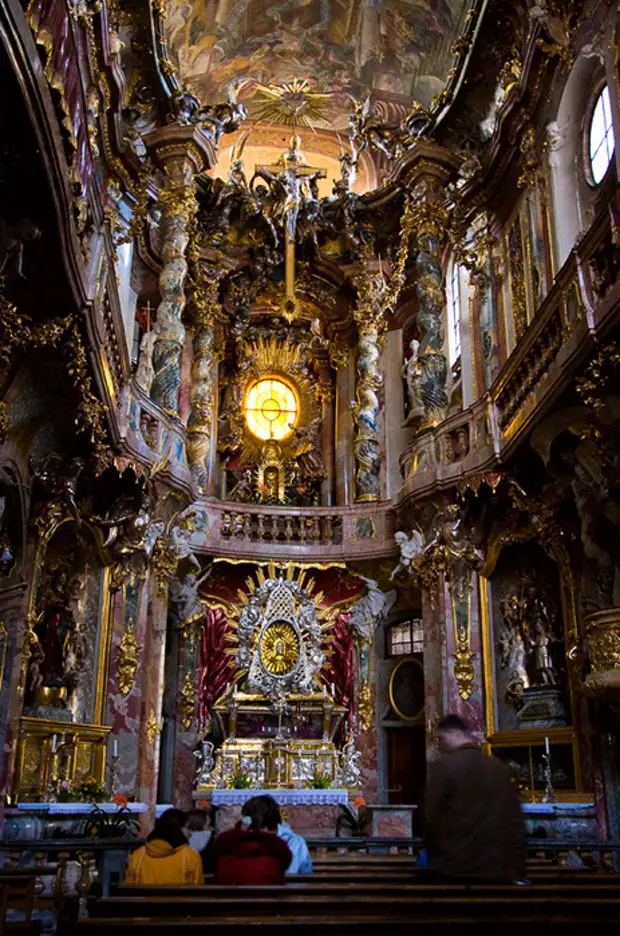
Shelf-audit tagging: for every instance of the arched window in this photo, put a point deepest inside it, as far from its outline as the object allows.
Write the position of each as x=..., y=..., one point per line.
x=601, y=141
x=454, y=313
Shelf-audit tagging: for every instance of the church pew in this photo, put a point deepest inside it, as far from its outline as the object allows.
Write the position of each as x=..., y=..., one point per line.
x=424, y=905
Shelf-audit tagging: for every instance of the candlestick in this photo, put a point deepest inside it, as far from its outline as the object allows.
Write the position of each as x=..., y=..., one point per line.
x=547, y=745
x=53, y=744
x=549, y=796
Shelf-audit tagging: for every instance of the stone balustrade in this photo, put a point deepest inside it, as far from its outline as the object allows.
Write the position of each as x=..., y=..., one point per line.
x=255, y=531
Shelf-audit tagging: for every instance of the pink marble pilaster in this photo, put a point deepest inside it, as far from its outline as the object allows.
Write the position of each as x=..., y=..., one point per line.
x=344, y=436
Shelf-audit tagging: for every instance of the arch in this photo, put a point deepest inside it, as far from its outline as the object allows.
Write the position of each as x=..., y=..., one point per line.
x=571, y=194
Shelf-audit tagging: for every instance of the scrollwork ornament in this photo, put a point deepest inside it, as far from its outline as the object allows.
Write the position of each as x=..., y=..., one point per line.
x=187, y=703
x=164, y=562
x=127, y=661
x=153, y=727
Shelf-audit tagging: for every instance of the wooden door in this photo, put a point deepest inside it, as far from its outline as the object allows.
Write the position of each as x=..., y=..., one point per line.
x=406, y=765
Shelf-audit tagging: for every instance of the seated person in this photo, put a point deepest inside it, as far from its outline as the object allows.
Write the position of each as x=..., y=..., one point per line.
x=201, y=838
x=302, y=862
x=253, y=853
x=167, y=857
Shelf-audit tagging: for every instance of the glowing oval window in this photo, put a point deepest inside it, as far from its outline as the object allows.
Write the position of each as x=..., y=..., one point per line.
x=601, y=137
x=271, y=409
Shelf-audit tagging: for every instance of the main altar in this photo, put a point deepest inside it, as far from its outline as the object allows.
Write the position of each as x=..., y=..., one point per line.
x=279, y=723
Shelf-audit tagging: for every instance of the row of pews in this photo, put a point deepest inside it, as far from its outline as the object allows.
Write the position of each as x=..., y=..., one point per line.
x=365, y=894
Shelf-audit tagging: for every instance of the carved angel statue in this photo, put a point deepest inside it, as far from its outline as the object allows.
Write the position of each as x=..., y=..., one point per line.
x=185, y=601
x=205, y=761
x=145, y=373
x=309, y=448
x=412, y=372
x=13, y=237
x=179, y=531
x=132, y=526
x=60, y=479
x=365, y=133
x=349, y=773
x=370, y=610
x=225, y=117
x=411, y=547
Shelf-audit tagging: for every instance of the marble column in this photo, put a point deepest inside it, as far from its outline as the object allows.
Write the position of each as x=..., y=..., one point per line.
x=182, y=152
x=344, y=430
x=326, y=395
x=152, y=694
x=200, y=420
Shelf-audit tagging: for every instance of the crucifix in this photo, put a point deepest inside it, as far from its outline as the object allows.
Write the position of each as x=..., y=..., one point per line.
x=294, y=183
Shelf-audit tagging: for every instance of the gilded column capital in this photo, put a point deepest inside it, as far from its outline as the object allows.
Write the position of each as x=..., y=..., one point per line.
x=182, y=148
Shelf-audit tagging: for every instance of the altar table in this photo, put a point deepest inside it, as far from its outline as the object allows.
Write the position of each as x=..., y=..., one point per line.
x=282, y=797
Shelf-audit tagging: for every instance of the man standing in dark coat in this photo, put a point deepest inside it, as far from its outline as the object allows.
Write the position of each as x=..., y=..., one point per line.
x=475, y=829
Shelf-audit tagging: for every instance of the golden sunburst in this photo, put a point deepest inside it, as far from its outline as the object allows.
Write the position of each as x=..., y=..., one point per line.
x=292, y=103
x=280, y=648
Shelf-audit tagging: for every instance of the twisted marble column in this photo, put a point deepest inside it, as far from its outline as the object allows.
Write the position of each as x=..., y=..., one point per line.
x=366, y=409
x=199, y=425
x=182, y=152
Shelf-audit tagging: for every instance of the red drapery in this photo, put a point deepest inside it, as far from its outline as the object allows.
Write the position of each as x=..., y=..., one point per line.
x=216, y=665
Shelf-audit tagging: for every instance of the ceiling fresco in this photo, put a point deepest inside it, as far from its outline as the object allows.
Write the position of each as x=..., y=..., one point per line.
x=394, y=49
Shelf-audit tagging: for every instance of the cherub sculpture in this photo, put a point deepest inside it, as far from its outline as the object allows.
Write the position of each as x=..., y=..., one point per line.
x=225, y=117
x=411, y=547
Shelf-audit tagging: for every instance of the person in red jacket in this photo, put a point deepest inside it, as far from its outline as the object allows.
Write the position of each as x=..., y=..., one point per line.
x=253, y=853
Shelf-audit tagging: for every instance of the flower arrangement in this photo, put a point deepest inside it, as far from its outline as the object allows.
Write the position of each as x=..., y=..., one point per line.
x=319, y=780
x=120, y=800
x=64, y=794
x=91, y=789
x=240, y=780
x=354, y=816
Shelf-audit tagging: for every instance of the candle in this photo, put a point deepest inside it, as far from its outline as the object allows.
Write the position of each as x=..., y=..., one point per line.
x=227, y=688
x=324, y=691
x=547, y=745
x=53, y=744
x=115, y=748
x=333, y=690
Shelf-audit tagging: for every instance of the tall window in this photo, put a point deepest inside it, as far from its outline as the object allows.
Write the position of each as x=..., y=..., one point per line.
x=454, y=313
x=601, y=142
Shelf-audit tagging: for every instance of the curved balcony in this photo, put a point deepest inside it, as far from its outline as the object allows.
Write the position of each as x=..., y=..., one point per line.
x=259, y=532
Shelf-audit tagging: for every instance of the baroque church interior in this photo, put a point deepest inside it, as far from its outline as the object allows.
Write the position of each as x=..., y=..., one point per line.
x=309, y=432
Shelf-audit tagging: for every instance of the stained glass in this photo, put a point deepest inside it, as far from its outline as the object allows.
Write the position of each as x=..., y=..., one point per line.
x=271, y=409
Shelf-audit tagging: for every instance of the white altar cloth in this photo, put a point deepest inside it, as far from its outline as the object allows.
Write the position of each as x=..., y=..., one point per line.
x=282, y=797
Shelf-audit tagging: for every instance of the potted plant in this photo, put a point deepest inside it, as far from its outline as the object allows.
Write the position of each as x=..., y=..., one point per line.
x=354, y=817
x=120, y=824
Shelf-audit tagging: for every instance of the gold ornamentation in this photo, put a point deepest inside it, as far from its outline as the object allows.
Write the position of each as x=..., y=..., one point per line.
x=463, y=666
x=187, y=703
x=164, y=562
x=18, y=332
x=603, y=633
x=531, y=175
x=510, y=74
x=153, y=727
x=364, y=708
x=127, y=661
x=279, y=648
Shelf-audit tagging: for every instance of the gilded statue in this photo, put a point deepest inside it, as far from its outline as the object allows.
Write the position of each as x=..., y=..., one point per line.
x=512, y=646
x=309, y=449
x=205, y=762
x=56, y=648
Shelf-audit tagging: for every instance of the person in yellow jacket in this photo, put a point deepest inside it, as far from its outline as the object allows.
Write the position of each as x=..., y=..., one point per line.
x=167, y=857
